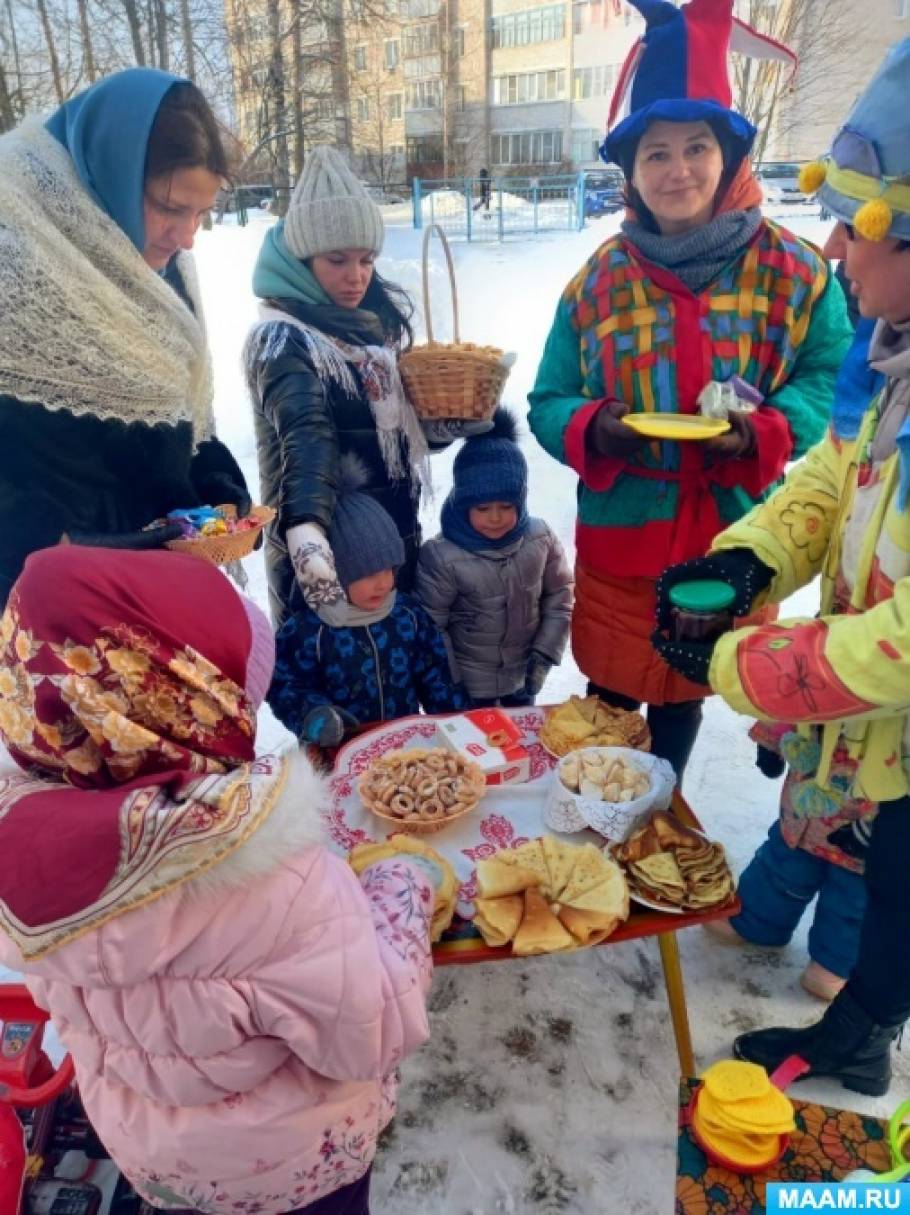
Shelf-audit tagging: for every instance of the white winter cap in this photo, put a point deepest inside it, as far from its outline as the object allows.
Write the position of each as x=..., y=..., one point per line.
x=330, y=209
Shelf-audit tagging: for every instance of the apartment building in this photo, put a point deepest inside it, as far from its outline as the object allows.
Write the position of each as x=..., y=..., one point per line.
x=441, y=88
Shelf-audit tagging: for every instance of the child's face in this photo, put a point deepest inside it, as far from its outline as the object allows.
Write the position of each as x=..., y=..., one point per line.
x=493, y=519
x=879, y=273
x=368, y=594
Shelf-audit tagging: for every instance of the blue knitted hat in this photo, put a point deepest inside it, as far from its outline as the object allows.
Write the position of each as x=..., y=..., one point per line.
x=362, y=534
x=491, y=468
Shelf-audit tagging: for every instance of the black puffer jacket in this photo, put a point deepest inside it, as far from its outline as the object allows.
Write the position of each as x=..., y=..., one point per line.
x=62, y=473
x=304, y=425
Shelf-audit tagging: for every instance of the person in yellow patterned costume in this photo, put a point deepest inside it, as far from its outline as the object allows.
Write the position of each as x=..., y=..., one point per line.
x=842, y=677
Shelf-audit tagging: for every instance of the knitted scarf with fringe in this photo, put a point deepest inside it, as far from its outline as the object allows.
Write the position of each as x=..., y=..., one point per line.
x=86, y=325
x=402, y=443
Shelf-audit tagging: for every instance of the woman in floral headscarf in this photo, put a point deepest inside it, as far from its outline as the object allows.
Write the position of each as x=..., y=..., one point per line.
x=169, y=868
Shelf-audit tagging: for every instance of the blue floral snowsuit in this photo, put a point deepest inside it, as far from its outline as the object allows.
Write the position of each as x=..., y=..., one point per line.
x=377, y=672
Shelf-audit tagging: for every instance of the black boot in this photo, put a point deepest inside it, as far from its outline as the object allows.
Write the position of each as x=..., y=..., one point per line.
x=846, y=1044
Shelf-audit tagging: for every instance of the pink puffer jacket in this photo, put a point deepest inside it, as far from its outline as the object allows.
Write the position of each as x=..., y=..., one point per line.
x=235, y=1041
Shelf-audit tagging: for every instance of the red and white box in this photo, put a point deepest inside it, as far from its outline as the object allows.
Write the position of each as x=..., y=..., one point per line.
x=492, y=739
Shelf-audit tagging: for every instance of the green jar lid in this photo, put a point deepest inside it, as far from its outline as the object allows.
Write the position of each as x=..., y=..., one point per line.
x=707, y=595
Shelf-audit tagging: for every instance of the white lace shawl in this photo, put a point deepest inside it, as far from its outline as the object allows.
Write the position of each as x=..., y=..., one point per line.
x=85, y=324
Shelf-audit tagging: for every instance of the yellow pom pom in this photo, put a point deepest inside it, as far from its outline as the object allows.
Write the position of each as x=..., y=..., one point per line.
x=812, y=176
x=873, y=219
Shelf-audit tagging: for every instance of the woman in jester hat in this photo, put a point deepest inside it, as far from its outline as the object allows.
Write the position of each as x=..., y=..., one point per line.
x=697, y=287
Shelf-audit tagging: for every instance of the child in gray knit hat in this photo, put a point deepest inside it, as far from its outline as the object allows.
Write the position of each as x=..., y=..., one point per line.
x=385, y=659
x=496, y=580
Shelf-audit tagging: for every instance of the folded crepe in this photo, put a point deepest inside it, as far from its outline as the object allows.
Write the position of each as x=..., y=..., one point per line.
x=540, y=930
x=499, y=875
x=364, y=855
x=560, y=860
x=498, y=919
x=589, y=869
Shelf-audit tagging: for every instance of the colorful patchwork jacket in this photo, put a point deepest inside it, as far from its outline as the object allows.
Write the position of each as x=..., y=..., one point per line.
x=631, y=331
x=848, y=670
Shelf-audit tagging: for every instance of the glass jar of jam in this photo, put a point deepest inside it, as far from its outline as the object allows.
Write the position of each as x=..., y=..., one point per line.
x=702, y=610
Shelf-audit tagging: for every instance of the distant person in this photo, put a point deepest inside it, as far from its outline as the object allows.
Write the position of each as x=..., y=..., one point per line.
x=497, y=581
x=697, y=287
x=483, y=179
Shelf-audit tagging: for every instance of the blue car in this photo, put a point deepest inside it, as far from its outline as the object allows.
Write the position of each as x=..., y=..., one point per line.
x=603, y=192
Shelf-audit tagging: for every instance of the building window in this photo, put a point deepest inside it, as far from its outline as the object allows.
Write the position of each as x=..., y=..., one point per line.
x=396, y=149
x=424, y=149
x=593, y=81
x=530, y=26
x=421, y=40
x=424, y=95
x=362, y=110
x=393, y=106
x=425, y=65
x=526, y=87
x=360, y=58
x=461, y=96
x=419, y=8
x=391, y=51
x=356, y=9
x=595, y=14
x=527, y=148
x=585, y=146
x=326, y=107
x=458, y=41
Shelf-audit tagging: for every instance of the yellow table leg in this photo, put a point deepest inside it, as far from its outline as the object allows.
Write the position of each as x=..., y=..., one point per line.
x=676, y=998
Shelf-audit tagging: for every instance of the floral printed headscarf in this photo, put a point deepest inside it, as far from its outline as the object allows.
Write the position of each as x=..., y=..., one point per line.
x=121, y=695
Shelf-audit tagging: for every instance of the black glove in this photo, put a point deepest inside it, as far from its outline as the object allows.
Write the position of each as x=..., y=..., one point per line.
x=326, y=726
x=739, y=567
x=689, y=658
x=441, y=431
x=217, y=478
x=152, y=537
x=608, y=436
x=853, y=838
x=737, y=443
x=769, y=763
x=536, y=672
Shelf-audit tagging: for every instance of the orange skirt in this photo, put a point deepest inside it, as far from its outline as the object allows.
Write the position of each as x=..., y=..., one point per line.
x=612, y=625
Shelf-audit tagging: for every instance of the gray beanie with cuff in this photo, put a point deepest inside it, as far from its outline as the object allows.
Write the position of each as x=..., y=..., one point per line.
x=330, y=209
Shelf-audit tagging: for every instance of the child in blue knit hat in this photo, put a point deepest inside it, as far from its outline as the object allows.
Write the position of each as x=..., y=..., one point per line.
x=386, y=660
x=497, y=581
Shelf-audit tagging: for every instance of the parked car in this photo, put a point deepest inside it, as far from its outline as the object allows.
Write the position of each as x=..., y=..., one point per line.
x=603, y=192
x=780, y=181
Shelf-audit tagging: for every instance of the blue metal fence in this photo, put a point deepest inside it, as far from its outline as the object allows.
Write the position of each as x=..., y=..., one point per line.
x=496, y=208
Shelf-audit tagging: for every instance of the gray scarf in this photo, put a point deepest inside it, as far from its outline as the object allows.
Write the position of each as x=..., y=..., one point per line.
x=358, y=618
x=697, y=257
x=889, y=353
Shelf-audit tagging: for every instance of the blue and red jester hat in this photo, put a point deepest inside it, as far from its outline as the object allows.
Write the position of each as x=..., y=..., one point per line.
x=678, y=72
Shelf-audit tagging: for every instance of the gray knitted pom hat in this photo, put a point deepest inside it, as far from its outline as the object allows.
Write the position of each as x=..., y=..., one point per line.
x=330, y=209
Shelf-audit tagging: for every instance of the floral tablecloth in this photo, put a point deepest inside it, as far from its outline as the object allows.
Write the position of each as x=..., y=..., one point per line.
x=827, y=1145
x=507, y=816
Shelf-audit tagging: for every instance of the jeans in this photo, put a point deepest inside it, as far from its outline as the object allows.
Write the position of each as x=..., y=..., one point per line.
x=674, y=727
x=880, y=981
x=778, y=885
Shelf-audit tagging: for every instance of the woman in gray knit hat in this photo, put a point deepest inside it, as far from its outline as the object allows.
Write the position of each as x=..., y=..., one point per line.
x=322, y=365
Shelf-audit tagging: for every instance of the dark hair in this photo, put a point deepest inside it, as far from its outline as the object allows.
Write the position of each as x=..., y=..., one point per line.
x=185, y=135
x=730, y=154
x=393, y=306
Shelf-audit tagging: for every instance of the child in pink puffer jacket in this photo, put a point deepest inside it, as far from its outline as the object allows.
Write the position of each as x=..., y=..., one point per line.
x=234, y=998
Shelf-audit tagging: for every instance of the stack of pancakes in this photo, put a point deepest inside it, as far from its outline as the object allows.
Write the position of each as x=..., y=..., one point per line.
x=585, y=721
x=667, y=862
x=546, y=896
x=739, y=1116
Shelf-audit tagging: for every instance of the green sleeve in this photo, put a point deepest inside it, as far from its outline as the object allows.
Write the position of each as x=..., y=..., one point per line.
x=558, y=390
x=808, y=394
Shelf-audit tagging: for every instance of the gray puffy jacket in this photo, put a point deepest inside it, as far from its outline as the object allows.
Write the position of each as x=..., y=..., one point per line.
x=496, y=606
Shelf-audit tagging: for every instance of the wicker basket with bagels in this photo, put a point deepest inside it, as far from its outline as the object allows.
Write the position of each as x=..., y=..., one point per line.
x=421, y=790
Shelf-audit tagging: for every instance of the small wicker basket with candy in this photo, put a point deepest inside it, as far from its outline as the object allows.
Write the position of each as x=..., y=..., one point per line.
x=216, y=534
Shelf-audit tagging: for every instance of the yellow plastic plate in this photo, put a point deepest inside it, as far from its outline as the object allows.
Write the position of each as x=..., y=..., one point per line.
x=678, y=426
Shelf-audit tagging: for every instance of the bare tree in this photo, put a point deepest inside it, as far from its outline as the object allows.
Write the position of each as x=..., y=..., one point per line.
x=764, y=90
x=186, y=30
x=52, y=56
x=88, y=56
x=135, y=26
x=7, y=113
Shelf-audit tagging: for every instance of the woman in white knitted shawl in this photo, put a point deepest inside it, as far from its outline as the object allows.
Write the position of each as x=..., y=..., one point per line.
x=105, y=382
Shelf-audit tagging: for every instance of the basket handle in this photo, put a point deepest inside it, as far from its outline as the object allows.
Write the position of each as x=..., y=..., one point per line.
x=426, y=280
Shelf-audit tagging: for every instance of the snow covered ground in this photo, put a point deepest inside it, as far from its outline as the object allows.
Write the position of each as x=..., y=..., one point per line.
x=549, y=1085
